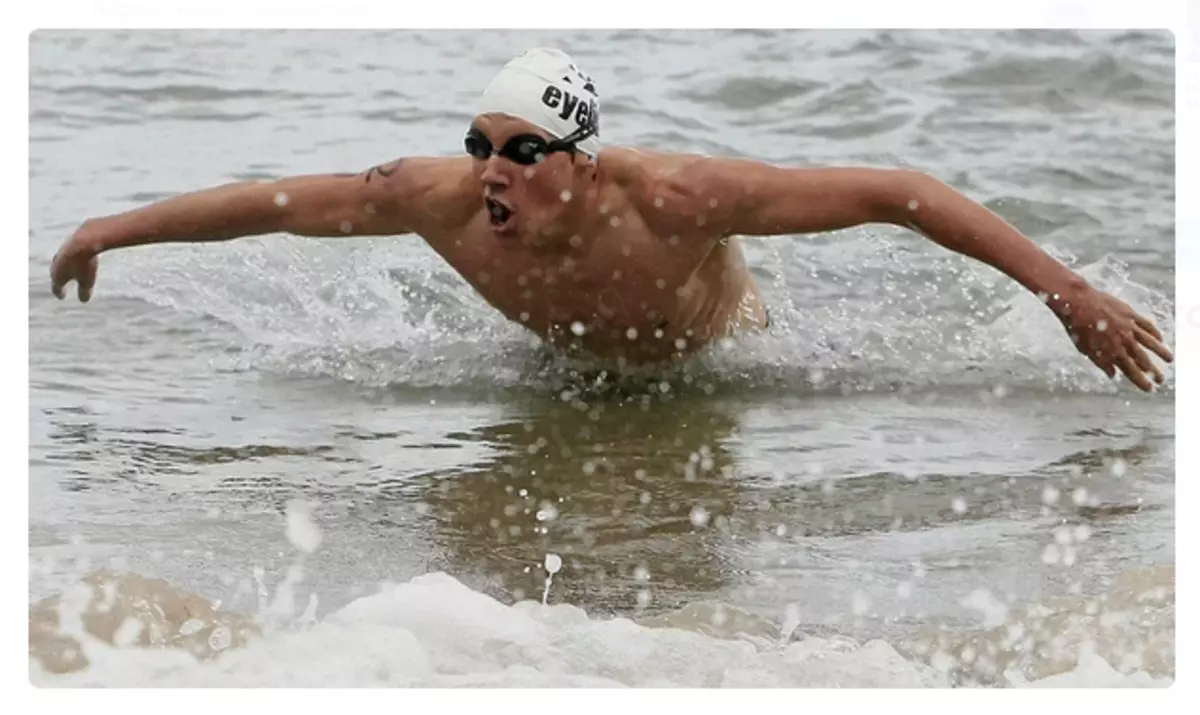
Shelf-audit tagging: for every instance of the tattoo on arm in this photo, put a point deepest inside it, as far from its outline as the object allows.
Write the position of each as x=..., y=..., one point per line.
x=384, y=170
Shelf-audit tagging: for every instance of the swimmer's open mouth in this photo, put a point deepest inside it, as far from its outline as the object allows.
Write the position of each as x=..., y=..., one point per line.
x=498, y=212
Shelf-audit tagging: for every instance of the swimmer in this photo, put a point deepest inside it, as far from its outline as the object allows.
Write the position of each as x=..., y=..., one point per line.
x=621, y=253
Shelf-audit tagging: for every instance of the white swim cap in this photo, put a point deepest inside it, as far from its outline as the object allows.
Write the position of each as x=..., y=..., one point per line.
x=545, y=88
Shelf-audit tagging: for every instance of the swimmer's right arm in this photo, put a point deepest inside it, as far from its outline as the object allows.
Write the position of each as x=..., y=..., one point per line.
x=379, y=201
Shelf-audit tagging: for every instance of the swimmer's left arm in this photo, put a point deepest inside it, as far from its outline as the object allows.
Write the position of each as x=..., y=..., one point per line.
x=762, y=199
x=769, y=200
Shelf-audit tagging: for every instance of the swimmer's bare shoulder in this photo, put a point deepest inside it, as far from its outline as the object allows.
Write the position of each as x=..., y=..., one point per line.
x=675, y=194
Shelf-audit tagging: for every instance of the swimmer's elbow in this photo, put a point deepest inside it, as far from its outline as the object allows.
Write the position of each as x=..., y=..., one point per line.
x=901, y=192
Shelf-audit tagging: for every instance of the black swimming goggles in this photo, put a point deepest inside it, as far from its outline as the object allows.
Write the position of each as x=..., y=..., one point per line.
x=524, y=149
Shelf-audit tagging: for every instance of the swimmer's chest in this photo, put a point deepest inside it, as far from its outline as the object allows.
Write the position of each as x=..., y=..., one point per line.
x=619, y=280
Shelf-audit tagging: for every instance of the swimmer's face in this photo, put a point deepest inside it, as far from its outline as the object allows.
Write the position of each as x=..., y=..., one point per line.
x=526, y=192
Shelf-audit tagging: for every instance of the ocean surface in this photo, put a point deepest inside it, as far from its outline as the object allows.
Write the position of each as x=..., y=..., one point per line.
x=357, y=473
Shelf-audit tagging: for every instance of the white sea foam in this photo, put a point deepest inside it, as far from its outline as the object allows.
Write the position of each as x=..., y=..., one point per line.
x=435, y=631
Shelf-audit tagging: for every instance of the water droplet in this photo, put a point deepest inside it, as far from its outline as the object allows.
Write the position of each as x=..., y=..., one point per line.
x=960, y=505
x=699, y=517
x=1080, y=496
x=370, y=209
x=1050, y=554
x=1119, y=467
x=1050, y=495
x=660, y=284
x=128, y=632
x=680, y=343
x=220, y=638
x=658, y=202
x=524, y=317
x=347, y=227
x=643, y=598
x=191, y=626
x=791, y=620
x=913, y=205
x=553, y=563
x=281, y=199
x=712, y=203
x=614, y=221
x=861, y=603
x=641, y=573
x=904, y=589
x=578, y=328
x=302, y=531
x=548, y=512
x=565, y=196
x=1101, y=325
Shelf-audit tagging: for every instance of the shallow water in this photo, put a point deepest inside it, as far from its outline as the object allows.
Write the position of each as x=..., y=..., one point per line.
x=914, y=438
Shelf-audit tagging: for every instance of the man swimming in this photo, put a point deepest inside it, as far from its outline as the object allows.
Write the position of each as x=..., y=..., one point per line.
x=622, y=253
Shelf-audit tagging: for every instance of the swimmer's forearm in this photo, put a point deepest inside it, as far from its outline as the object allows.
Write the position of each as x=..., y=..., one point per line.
x=215, y=214
x=317, y=206
x=954, y=221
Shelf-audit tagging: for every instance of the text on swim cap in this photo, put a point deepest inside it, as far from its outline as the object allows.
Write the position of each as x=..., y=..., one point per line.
x=566, y=103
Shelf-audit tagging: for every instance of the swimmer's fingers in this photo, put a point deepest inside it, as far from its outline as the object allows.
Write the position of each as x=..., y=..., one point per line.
x=1153, y=341
x=1143, y=361
x=59, y=276
x=57, y=287
x=1147, y=325
x=1129, y=366
x=70, y=266
x=87, y=279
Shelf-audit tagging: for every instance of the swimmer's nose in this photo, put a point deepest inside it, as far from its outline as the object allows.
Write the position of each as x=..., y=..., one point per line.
x=494, y=174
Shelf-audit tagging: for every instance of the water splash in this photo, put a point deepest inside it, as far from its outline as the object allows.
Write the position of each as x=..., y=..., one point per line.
x=553, y=565
x=435, y=631
x=378, y=315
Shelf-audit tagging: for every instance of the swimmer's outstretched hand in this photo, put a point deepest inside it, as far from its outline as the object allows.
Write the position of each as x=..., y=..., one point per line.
x=76, y=261
x=1114, y=336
